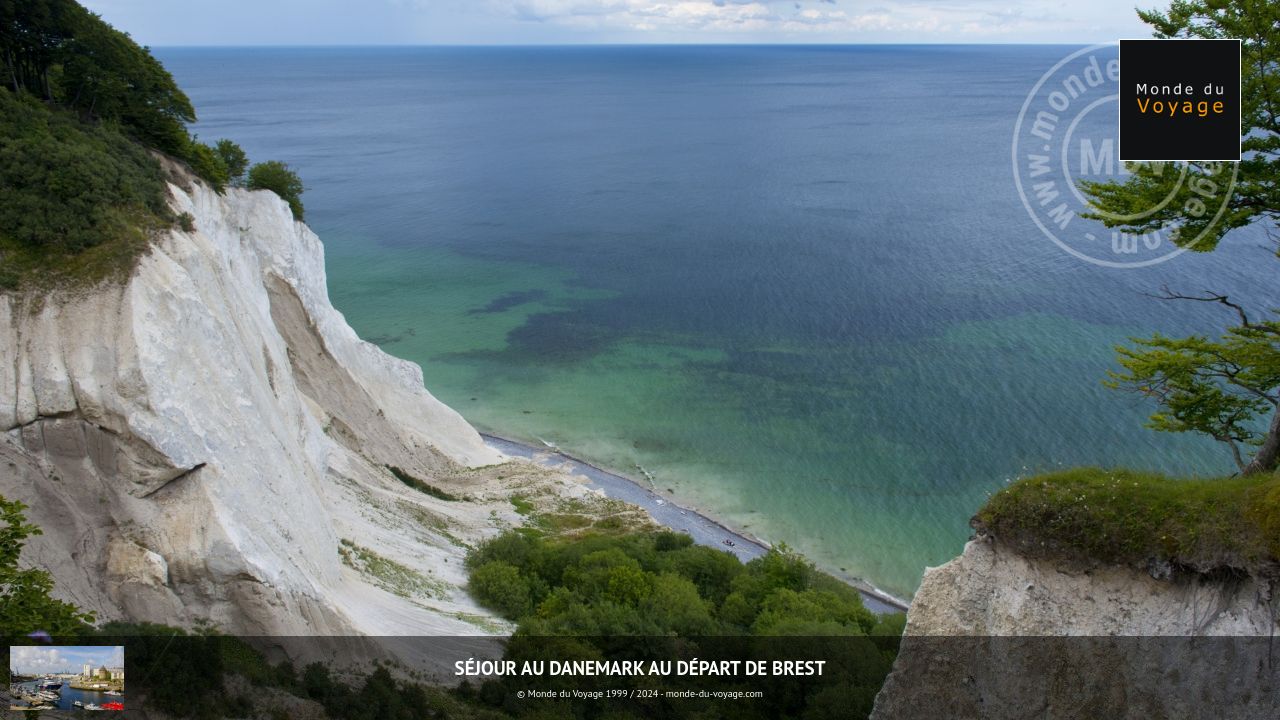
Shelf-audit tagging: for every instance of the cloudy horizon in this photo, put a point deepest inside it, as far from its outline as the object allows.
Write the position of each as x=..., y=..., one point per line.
x=175, y=23
x=41, y=660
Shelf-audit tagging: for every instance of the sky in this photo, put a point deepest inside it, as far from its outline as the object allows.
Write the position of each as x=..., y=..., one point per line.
x=63, y=658
x=163, y=23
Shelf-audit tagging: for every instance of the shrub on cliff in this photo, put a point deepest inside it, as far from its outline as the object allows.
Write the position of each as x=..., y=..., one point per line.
x=1089, y=516
x=502, y=588
x=233, y=159
x=276, y=176
x=76, y=200
x=59, y=51
x=208, y=164
x=82, y=104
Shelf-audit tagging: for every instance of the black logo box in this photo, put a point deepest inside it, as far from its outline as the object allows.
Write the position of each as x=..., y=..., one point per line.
x=1186, y=68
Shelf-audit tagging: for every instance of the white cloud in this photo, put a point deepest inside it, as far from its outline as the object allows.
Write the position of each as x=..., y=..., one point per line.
x=36, y=660
x=919, y=18
x=360, y=22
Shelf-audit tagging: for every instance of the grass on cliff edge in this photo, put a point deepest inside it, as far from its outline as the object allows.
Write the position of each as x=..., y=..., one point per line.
x=1090, y=516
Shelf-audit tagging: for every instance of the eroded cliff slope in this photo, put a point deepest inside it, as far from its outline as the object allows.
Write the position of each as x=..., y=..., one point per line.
x=209, y=441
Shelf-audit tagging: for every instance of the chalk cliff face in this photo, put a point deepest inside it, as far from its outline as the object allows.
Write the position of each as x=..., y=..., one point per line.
x=994, y=634
x=209, y=441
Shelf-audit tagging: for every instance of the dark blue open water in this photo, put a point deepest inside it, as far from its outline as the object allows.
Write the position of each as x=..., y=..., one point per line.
x=796, y=284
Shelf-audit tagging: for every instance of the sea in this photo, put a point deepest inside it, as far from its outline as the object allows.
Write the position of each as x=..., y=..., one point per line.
x=69, y=696
x=796, y=285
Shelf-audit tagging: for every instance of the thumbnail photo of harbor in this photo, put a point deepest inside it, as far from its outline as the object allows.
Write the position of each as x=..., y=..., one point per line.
x=71, y=678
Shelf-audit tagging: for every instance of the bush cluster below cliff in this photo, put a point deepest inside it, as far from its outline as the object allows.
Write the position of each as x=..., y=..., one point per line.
x=657, y=596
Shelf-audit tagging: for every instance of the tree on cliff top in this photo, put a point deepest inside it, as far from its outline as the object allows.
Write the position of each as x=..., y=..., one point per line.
x=1223, y=388
x=275, y=176
x=82, y=107
x=61, y=52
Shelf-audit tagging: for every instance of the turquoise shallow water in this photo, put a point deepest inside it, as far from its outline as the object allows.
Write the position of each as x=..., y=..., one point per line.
x=795, y=284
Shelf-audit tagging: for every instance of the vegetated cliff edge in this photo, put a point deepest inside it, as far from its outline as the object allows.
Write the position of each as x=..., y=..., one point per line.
x=997, y=634
x=207, y=440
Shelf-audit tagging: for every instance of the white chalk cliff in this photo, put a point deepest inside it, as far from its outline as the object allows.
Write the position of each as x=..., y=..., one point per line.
x=993, y=590
x=995, y=634
x=208, y=440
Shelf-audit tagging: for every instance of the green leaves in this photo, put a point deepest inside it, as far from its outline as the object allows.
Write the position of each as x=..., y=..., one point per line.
x=66, y=186
x=233, y=159
x=62, y=52
x=276, y=176
x=656, y=584
x=656, y=596
x=206, y=163
x=25, y=602
x=1256, y=194
x=1188, y=202
x=500, y=586
x=69, y=176
x=1087, y=516
x=1221, y=388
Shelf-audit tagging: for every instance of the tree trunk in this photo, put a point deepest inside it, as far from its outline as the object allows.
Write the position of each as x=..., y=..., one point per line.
x=13, y=71
x=1235, y=452
x=1264, y=460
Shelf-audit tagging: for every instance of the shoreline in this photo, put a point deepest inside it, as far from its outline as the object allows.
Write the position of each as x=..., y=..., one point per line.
x=703, y=528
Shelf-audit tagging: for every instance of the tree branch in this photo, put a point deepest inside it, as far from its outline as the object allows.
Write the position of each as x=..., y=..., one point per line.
x=1209, y=296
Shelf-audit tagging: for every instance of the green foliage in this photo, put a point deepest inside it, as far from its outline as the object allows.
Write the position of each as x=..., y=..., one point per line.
x=208, y=164
x=1255, y=194
x=1087, y=516
x=522, y=505
x=106, y=76
x=421, y=485
x=66, y=186
x=185, y=670
x=276, y=176
x=1220, y=388
x=82, y=104
x=655, y=595
x=233, y=159
x=185, y=677
x=68, y=55
x=655, y=584
x=502, y=587
x=25, y=602
x=32, y=33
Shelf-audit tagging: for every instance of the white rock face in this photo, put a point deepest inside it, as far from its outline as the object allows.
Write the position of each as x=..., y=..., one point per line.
x=993, y=634
x=198, y=441
x=990, y=590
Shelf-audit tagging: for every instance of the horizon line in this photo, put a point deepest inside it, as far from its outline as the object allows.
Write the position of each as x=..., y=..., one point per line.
x=301, y=46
